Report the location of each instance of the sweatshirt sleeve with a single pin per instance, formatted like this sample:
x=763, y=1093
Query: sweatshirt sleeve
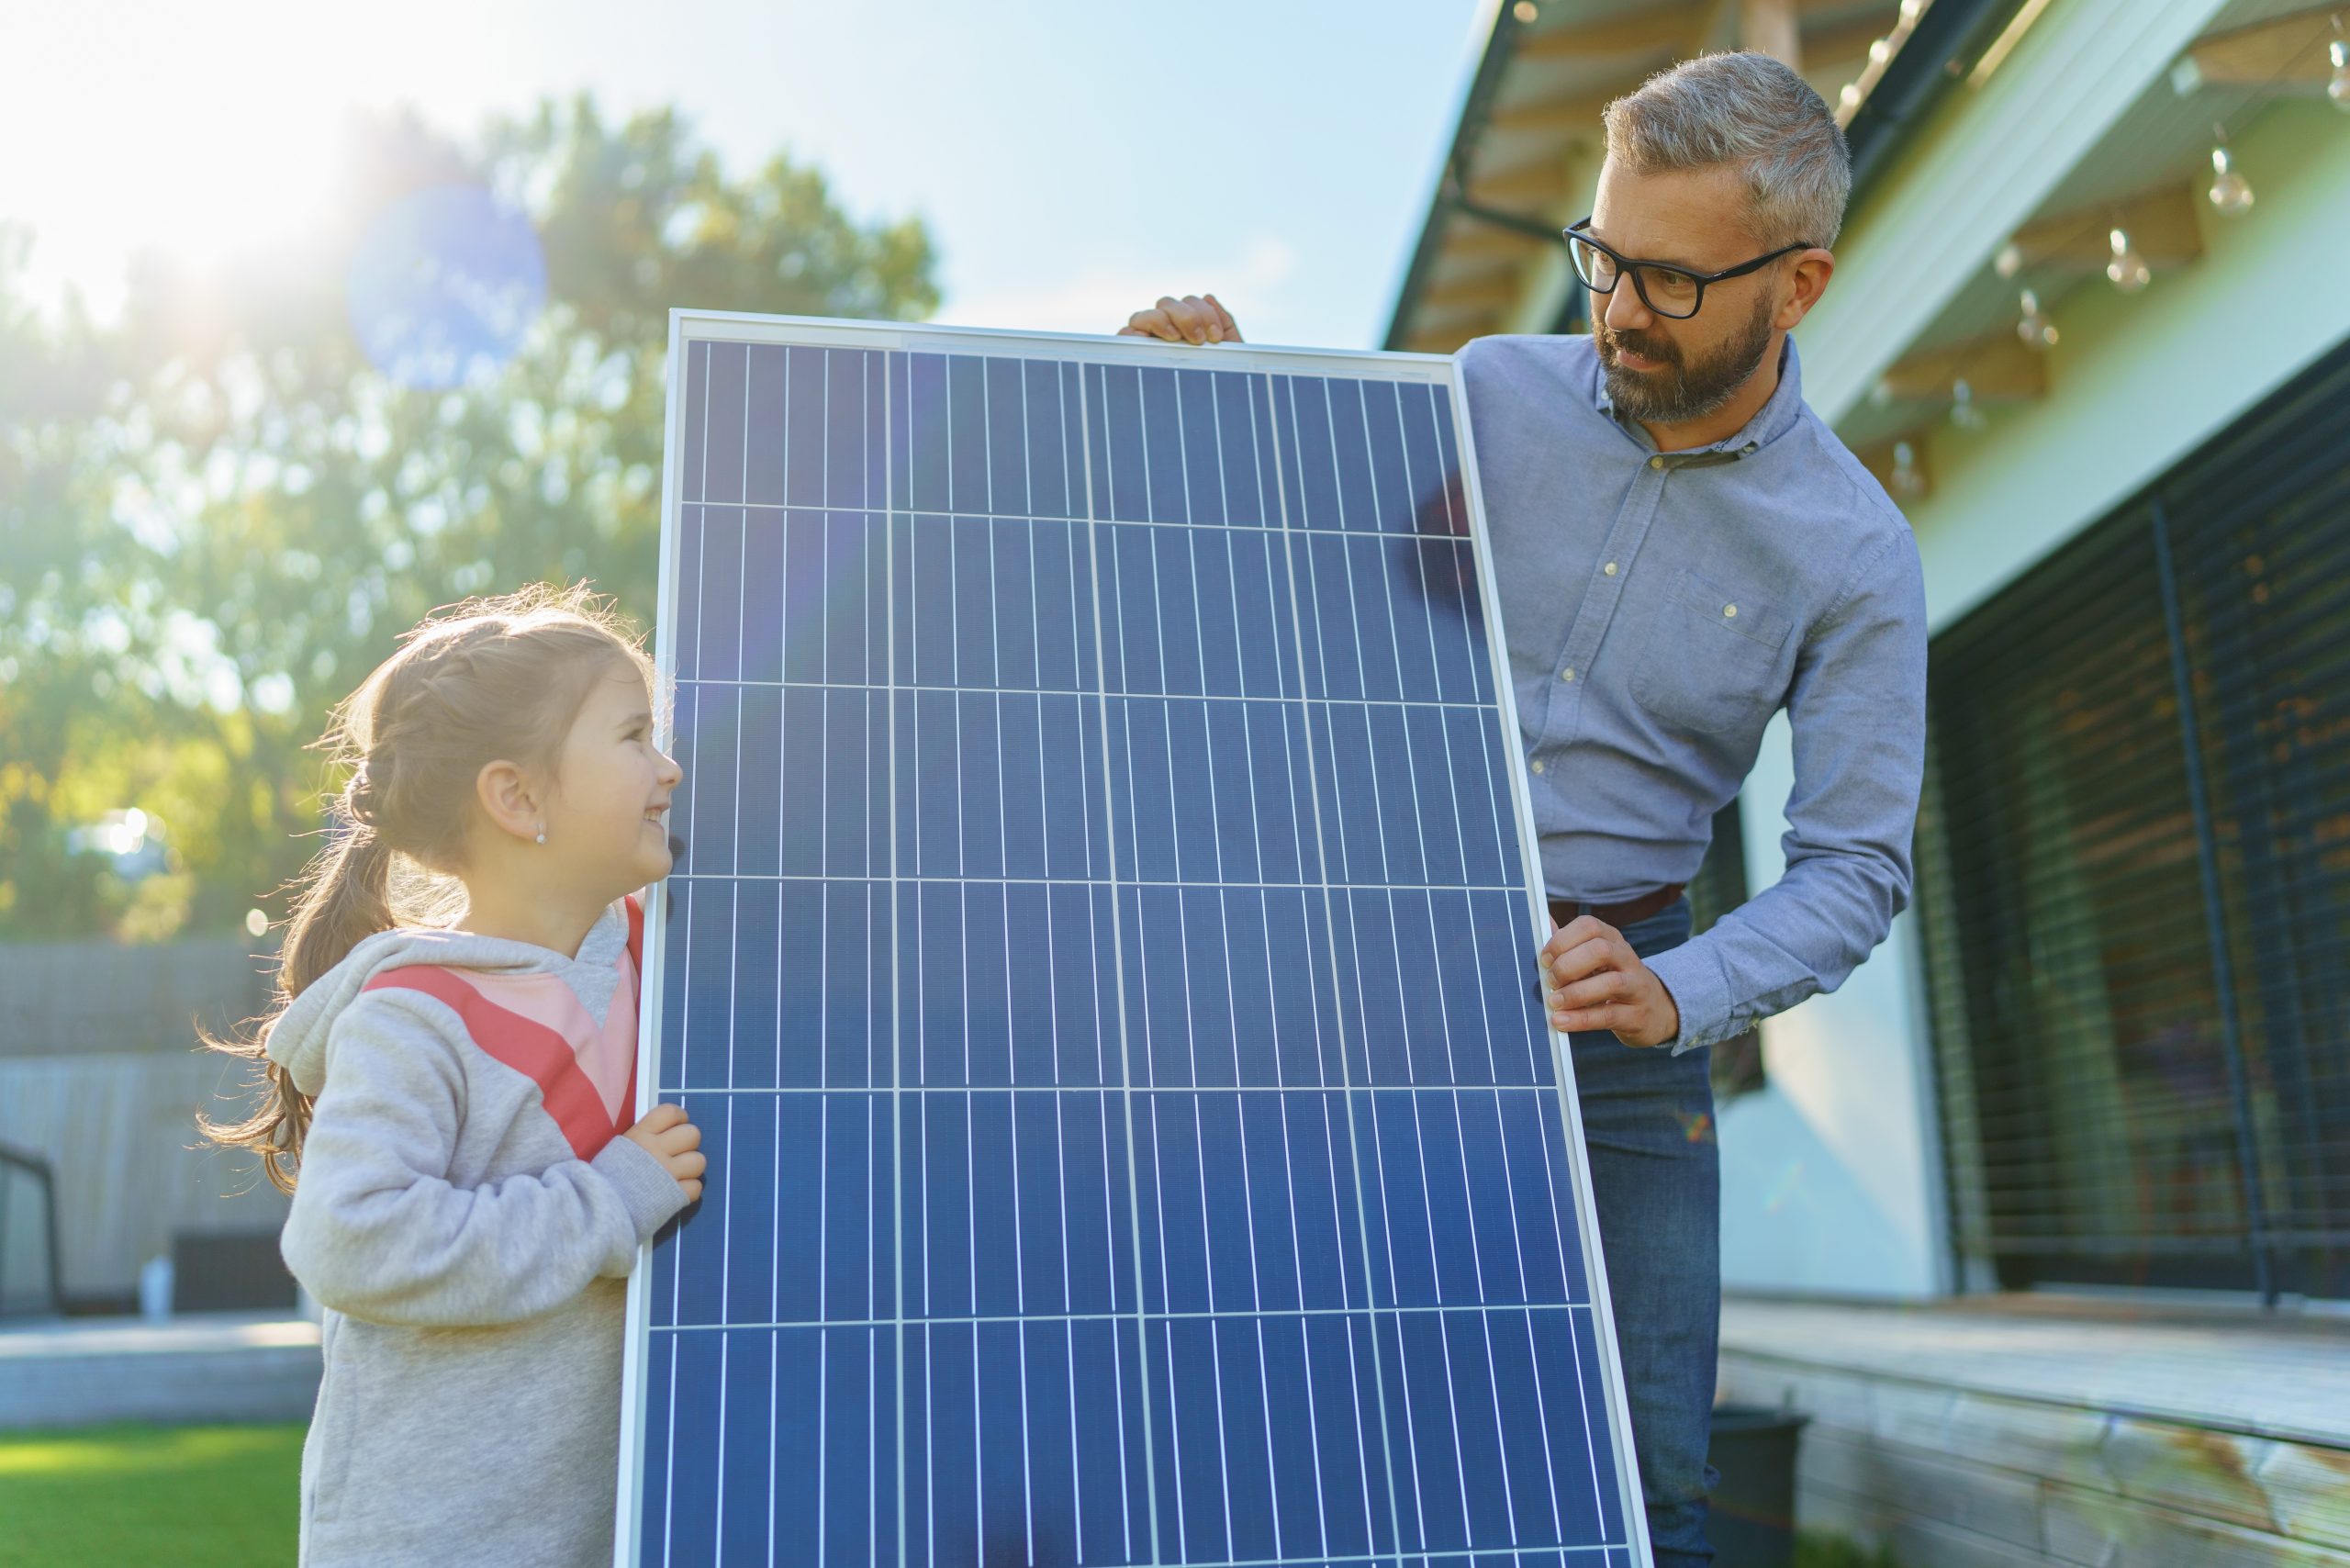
x=378, y=1231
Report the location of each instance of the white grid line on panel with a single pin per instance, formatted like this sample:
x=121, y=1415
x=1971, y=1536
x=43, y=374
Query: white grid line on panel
x=1199, y=1314
x=1309, y=886
x=1292, y=542
x=1118, y=968
x=1122, y=695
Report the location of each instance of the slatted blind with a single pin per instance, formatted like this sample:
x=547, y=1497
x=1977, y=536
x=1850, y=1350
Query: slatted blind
x=2135, y=881
x=2259, y=533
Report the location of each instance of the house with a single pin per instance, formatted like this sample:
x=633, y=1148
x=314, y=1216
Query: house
x=2044, y=1217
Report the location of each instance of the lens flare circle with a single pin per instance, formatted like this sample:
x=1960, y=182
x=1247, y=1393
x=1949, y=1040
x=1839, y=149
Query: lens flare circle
x=445, y=285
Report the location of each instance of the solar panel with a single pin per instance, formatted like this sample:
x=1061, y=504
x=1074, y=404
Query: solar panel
x=1100, y=965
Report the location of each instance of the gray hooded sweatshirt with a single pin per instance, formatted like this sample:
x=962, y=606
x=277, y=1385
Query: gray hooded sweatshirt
x=469, y=1258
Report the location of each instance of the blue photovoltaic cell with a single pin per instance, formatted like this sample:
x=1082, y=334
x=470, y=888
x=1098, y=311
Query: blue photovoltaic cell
x=1099, y=965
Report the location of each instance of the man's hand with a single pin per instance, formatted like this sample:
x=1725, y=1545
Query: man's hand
x=1195, y=318
x=1593, y=979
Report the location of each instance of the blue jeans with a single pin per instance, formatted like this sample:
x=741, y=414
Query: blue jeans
x=1647, y=1123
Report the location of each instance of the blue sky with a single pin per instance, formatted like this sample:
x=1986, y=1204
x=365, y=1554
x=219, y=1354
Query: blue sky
x=1074, y=161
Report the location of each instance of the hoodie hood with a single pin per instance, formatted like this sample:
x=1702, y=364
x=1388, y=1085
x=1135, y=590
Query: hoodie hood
x=298, y=1042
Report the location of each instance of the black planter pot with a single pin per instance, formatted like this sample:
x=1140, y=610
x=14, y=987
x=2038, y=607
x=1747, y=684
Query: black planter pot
x=1751, y=1520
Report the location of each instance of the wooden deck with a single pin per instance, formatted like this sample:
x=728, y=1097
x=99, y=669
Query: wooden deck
x=2006, y=1433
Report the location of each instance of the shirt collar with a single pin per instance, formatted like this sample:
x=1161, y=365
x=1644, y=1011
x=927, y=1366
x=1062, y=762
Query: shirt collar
x=1773, y=419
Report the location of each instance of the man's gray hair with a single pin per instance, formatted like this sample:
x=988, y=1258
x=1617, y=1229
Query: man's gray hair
x=1750, y=111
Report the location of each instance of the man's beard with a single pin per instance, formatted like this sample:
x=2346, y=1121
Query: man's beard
x=1680, y=392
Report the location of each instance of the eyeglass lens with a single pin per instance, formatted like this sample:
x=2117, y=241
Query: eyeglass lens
x=1664, y=290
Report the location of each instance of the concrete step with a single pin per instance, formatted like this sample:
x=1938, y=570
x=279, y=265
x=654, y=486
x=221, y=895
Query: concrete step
x=203, y=1367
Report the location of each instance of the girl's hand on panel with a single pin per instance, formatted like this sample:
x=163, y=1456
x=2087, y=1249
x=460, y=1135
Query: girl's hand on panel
x=676, y=1142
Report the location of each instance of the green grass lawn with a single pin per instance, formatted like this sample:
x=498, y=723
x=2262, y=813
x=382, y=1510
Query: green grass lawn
x=128, y=1497
x=201, y=1496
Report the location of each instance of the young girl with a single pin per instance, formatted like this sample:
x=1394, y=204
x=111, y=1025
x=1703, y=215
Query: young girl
x=452, y=1071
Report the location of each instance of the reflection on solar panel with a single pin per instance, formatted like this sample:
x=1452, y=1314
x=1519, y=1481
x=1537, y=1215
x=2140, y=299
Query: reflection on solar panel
x=1101, y=966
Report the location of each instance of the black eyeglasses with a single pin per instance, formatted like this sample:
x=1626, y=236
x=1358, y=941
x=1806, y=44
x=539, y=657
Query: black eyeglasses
x=1672, y=292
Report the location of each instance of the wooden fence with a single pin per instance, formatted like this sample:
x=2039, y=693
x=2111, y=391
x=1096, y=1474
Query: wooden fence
x=100, y=1075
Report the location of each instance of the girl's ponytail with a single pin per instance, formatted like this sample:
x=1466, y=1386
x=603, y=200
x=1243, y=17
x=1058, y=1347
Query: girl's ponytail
x=344, y=898
x=496, y=677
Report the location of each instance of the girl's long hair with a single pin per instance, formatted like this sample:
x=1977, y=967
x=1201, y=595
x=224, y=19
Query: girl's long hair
x=485, y=680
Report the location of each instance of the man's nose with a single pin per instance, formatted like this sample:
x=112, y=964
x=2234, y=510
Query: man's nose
x=1625, y=310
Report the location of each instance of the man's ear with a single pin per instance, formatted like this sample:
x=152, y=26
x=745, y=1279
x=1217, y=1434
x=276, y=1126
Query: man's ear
x=1812, y=270
x=509, y=798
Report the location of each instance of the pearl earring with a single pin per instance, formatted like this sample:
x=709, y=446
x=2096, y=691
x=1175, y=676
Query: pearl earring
x=543, y=833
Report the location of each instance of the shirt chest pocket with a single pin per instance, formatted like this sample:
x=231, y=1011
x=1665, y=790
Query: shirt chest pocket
x=1715, y=658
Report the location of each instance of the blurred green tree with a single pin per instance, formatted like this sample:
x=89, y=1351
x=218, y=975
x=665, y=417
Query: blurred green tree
x=216, y=515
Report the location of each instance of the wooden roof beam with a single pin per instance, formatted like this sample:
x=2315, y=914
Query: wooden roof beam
x=2287, y=53
x=1533, y=185
x=1487, y=292
x=2161, y=223
x=1467, y=241
x=1998, y=366
x=1645, y=31
x=1773, y=28
x=1879, y=458
x=1722, y=23
x=1837, y=42
x=1577, y=116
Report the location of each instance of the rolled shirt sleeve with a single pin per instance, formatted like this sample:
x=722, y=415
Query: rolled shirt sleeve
x=1857, y=706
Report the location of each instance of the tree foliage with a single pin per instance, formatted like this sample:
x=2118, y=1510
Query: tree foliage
x=215, y=515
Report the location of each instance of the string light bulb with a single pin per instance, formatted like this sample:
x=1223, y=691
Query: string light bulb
x=2128, y=269
x=2230, y=193
x=1965, y=411
x=2337, y=86
x=2035, y=328
x=1908, y=482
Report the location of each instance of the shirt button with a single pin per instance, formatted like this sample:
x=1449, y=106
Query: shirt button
x=1567, y=673
x=1730, y=610
x=1657, y=462
x=1610, y=568
x=1536, y=765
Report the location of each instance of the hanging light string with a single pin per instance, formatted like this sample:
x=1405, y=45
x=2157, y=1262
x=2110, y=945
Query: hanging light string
x=2230, y=193
x=2337, y=86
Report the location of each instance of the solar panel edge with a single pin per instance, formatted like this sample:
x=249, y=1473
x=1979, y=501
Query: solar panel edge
x=1494, y=662
x=1629, y=1503
x=636, y=1346
x=1125, y=1063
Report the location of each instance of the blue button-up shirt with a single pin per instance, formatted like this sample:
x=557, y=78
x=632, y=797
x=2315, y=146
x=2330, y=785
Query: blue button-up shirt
x=1660, y=608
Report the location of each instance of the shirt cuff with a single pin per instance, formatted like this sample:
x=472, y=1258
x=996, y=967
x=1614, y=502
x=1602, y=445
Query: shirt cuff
x=1699, y=989
x=650, y=1193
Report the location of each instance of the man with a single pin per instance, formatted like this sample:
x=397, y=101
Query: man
x=1681, y=548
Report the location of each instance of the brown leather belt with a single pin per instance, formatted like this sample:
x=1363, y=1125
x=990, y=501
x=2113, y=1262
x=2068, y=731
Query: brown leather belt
x=1630, y=912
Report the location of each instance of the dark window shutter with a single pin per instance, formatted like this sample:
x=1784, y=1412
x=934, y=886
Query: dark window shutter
x=2135, y=907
